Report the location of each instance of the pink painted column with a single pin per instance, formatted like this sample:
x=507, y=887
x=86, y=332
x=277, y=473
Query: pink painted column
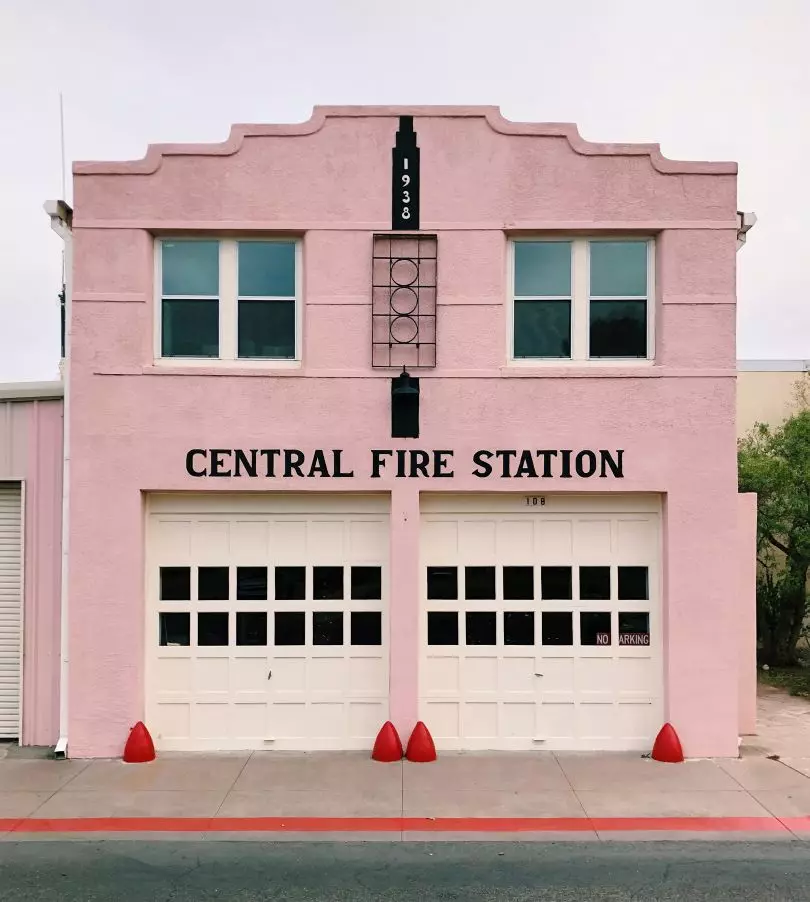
x=746, y=614
x=404, y=616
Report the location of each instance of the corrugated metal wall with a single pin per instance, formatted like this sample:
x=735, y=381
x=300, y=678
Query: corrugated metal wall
x=31, y=452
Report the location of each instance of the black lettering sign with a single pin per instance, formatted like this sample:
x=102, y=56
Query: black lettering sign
x=402, y=463
x=405, y=174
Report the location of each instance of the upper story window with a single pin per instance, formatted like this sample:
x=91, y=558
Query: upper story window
x=229, y=299
x=582, y=299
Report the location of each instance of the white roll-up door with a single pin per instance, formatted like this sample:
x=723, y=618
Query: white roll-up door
x=10, y=608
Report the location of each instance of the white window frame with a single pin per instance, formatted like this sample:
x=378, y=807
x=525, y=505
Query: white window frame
x=228, y=306
x=580, y=304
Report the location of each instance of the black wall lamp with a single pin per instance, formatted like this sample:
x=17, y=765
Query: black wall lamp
x=404, y=406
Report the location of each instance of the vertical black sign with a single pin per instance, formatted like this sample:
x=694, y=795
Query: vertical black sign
x=405, y=185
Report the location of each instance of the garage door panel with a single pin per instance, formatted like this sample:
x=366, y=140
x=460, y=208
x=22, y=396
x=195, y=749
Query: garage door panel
x=553, y=541
x=210, y=541
x=593, y=541
x=329, y=537
x=481, y=719
x=576, y=633
x=365, y=718
x=514, y=541
x=439, y=541
x=250, y=541
x=518, y=674
x=636, y=543
x=294, y=608
x=476, y=540
x=289, y=545
x=368, y=541
x=367, y=674
x=519, y=719
x=481, y=673
x=442, y=674
x=444, y=718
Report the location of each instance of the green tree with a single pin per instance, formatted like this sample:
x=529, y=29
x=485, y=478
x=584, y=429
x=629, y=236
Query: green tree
x=774, y=462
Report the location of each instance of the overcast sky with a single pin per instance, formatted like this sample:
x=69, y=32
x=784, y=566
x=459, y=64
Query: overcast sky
x=707, y=79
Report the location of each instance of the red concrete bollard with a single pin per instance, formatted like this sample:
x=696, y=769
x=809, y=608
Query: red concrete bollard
x=420, y=745
x=139, y=747
x=667, y=746
x=388, y=745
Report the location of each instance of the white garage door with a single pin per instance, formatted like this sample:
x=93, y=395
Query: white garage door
x=541, y=622
x=10, y=608
x=267, y=622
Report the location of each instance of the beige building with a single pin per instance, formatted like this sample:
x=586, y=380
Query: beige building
x=766, y=390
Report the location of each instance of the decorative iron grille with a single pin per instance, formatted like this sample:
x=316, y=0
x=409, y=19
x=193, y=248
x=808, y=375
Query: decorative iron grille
x=403, y=301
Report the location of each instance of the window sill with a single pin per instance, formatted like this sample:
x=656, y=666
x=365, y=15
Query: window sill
x=582, y=369
x=211, y=366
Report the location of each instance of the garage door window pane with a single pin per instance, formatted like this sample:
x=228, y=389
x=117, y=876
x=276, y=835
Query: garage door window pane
x=175, y=583
x=555, y=583
x=481, y=629
x=442, y=627
x=518, y=628
x=366, y=628
x=594, y=583
x=212, y=583
x=251, y=583
x=634, y=584
x=327, y=628
x=479, y=583
x=518, y=583
x=558, y=628
x=442, y=583
x=251, y=628
x=327, y=583
x=175, y=629
x=290, y=627
x=634, y=628
x=594, y=628
x=366, y=583
x=290, y=583
x=212, y=629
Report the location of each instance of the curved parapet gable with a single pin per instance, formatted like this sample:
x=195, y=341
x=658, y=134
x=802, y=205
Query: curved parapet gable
x=156, y=152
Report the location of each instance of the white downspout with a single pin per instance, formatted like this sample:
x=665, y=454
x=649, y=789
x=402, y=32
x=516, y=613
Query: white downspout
x=61, y=222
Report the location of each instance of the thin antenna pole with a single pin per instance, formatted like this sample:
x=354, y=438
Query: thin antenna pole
x=62, y=144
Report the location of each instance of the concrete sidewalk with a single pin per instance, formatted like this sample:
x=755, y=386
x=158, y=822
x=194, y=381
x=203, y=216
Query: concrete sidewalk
x=584, y=795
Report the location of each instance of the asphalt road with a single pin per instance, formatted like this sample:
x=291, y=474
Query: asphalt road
x=169, y=871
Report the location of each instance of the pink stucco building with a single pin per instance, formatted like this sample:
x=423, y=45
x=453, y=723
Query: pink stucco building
x=532, y=540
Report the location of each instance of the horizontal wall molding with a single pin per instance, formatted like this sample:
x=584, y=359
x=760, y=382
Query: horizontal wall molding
x=650, y=372
x=696, y=300
x=110, y=297
x=172, y=226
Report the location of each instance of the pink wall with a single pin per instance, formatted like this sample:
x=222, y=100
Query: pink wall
x=329, y=180
x=31, y=450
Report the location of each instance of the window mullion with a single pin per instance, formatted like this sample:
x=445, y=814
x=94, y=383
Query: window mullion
x=580, y=289
x=228, y=288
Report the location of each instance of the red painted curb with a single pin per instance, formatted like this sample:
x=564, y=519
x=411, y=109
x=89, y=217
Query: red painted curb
x=401, y=824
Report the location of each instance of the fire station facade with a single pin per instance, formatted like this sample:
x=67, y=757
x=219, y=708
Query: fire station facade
x=406, y=413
